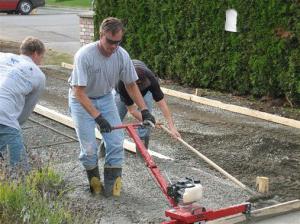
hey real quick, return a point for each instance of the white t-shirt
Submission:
(21, 84)
(100, 74)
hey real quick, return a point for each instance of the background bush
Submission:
(185, 40)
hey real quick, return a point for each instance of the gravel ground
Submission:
(141, 200)
(245, 147)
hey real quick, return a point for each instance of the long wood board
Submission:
(66, 120)
(261, 214)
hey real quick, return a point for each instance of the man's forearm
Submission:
(134, 112)
(136, 95)
(162, 104)
(166, 112)
(30, 102)
(85, 101)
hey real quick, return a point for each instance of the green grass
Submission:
(70, 3)
(56, 58)
(34, 199)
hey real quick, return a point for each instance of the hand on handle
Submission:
(104, 125)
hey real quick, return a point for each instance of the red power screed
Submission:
(180, 214)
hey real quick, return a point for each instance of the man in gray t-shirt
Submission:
(21, 84)
(98, 66)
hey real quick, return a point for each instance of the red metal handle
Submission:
(135, 125)
(147, 158)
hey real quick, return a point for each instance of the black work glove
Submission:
(103, 124)
(147, 116)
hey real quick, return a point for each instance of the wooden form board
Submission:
(234, 108)
(66, 120)
(66, 65)
(261, 214)
(224, 106)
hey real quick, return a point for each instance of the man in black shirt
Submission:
(149, 86)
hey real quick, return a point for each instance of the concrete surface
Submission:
(58, 28)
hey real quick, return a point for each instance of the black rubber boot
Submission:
(96, 186)
(112, 181)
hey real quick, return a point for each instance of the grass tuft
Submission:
(34, 199)
(70, 3)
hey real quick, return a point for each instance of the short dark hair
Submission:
(30, 45)
(111, 24)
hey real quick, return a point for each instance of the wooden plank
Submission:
(261, 214)
(278, 209)
(234, 108)
(66, 65)
(247, 111)
(177, 94)
(66, 120)
(54, 115)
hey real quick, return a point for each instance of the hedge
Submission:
(185, 40)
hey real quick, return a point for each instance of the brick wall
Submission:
(86, 27)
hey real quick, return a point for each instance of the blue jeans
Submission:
(12, 139)
(142, 131)
(85, 130)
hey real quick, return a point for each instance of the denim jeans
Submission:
(11, 139)
(142, 131)
(85, 130)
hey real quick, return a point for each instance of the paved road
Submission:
(58, 28)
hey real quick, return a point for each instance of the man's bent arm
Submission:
(135, 95)
(79, 92)
(30, 102)
(162, 104)
(134, 112)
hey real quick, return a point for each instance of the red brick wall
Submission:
(86, 28)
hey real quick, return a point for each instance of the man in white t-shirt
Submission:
(21, 84)
(98, 66)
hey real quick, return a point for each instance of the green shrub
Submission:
(186, 41)
(33, 200)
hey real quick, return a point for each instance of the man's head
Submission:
(143, 82)
(33, 48)
(111, 34)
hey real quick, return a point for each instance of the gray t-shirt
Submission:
(99, 74)
(21, 84)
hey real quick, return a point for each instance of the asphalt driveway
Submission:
(58, 28)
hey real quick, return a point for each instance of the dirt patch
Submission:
(256, 155)
(51, 57)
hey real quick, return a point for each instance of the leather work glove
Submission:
(147, 116)
(103, 124)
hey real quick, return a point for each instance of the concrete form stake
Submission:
(262, 184)
(237, 182)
